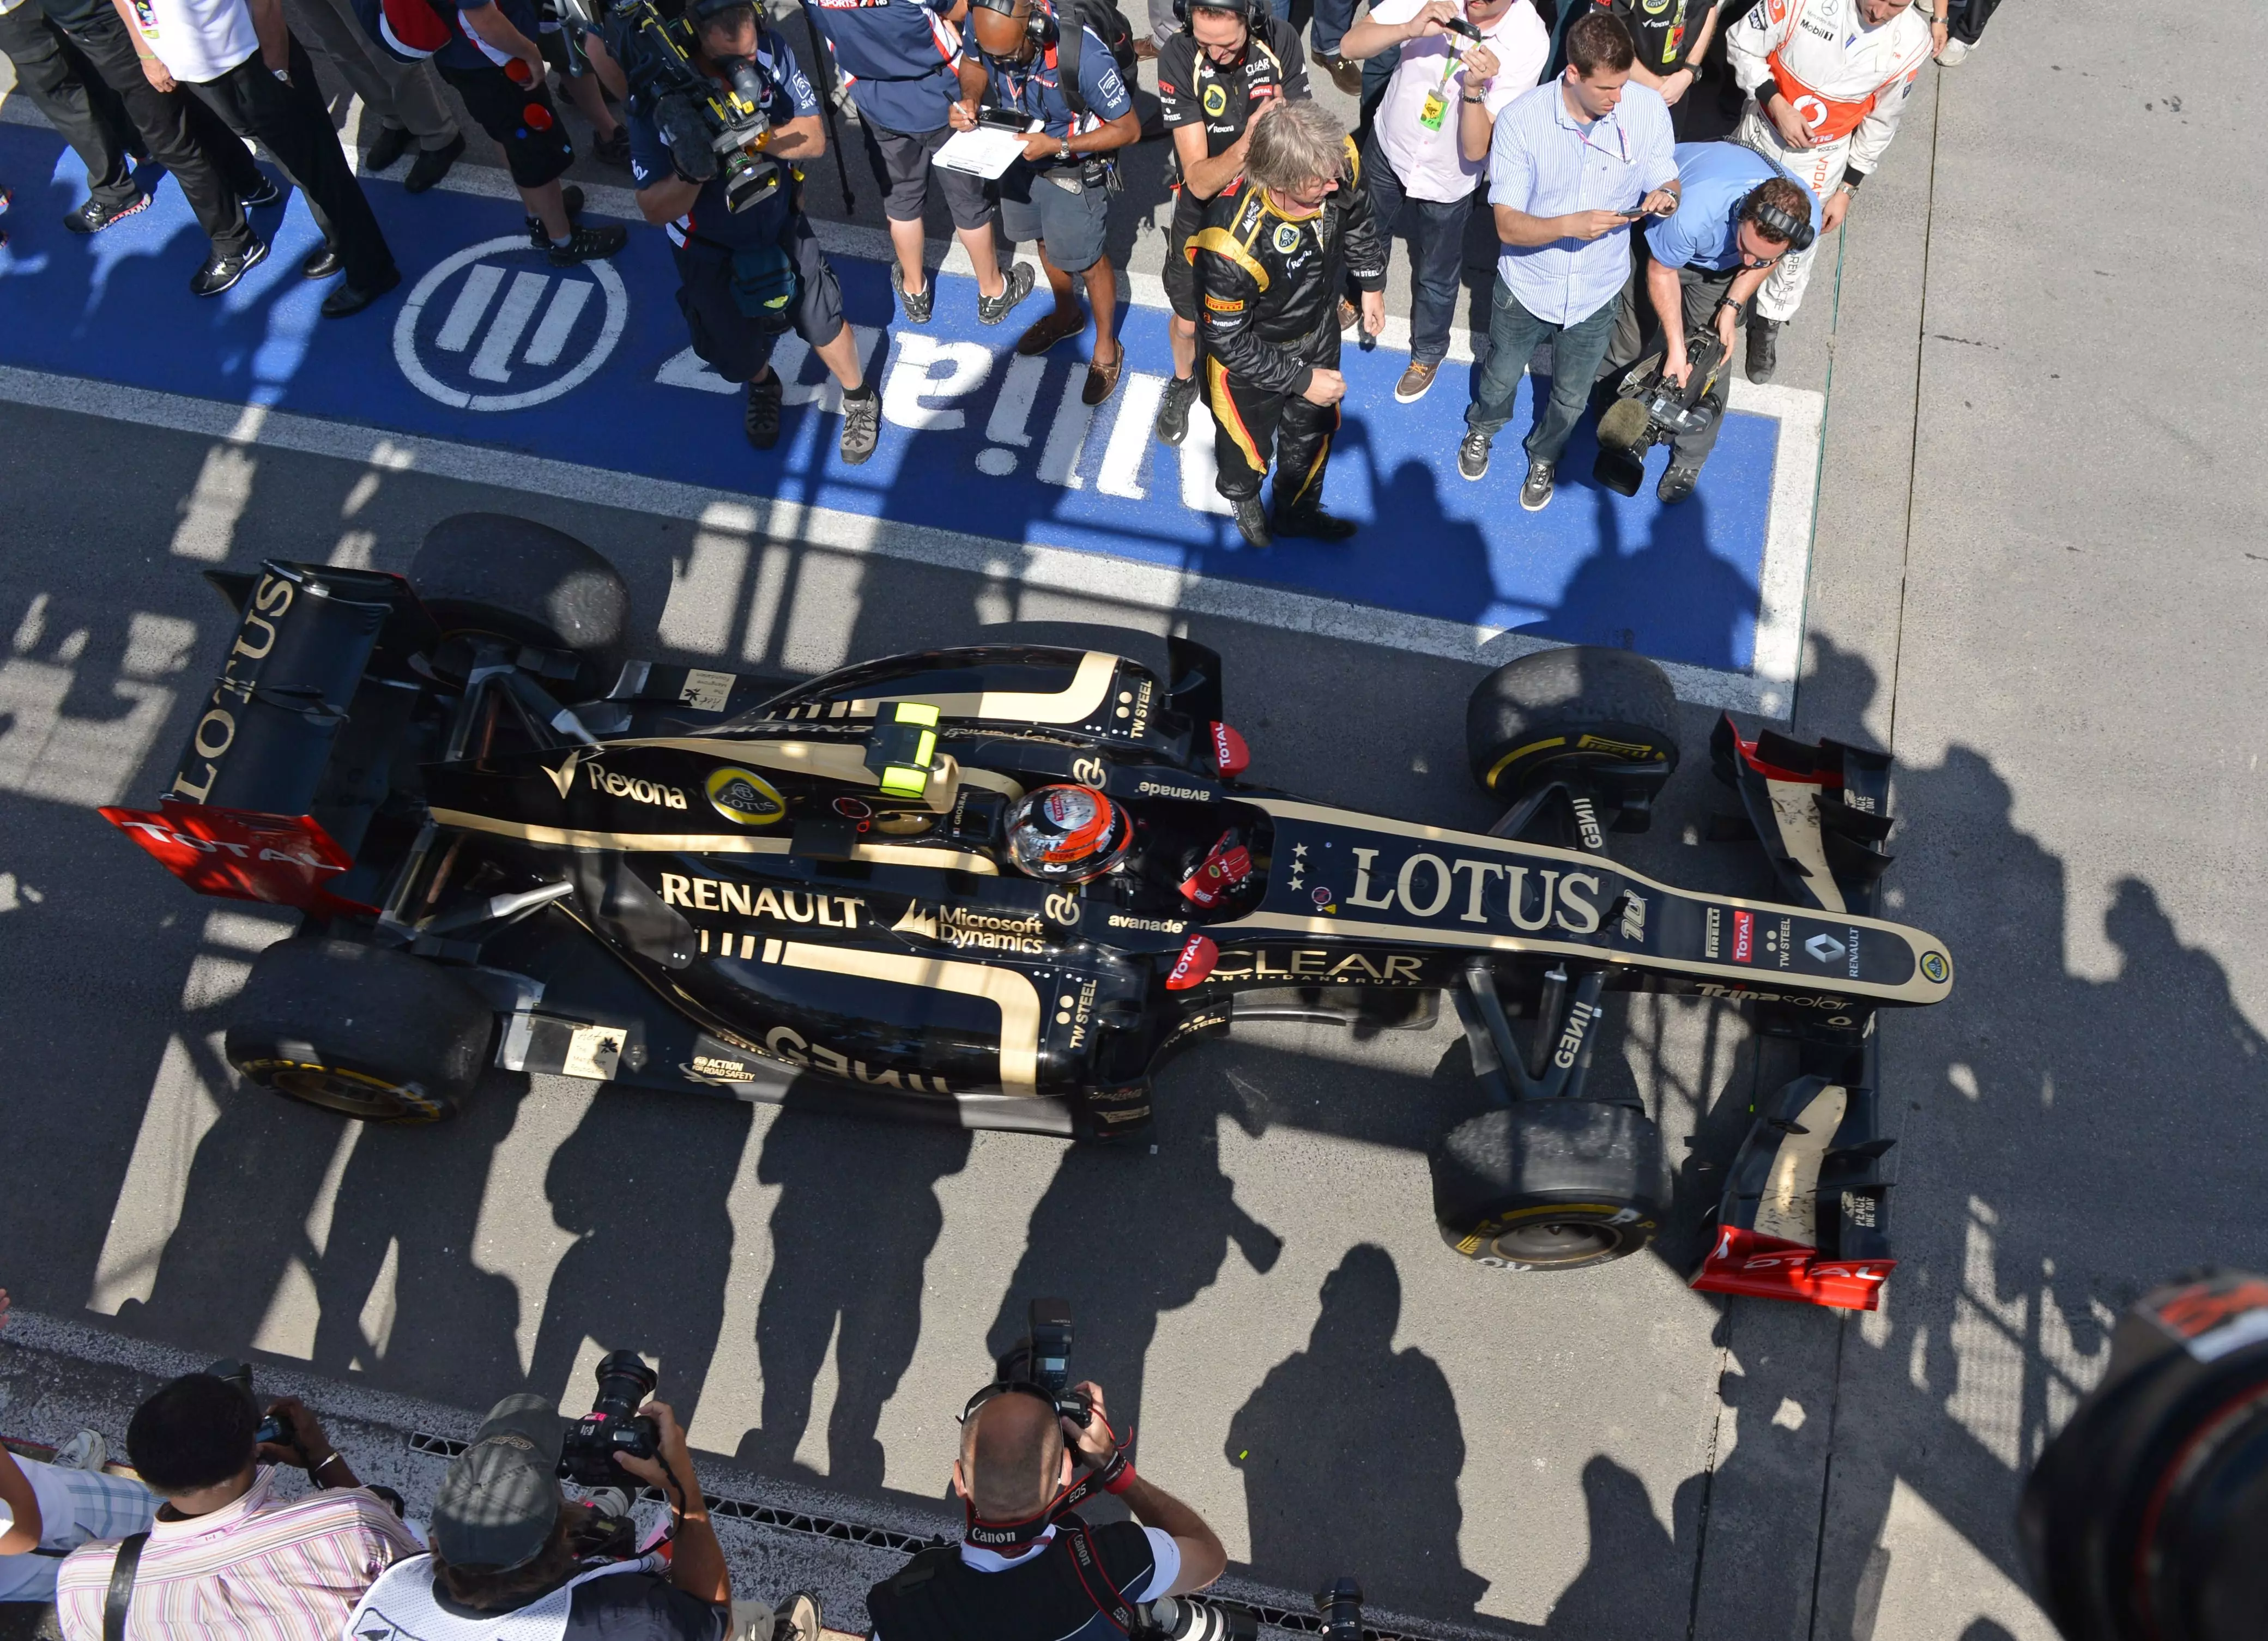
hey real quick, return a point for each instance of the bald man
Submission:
(1030, 1571)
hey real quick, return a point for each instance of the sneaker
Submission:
(917, 306)
(1252, 522)
(1415, 382)
(1764, 349)
(798, 1620)
(992, 310)
(612, 151)
(220, 272)
(589, 244)
(1535, 494)
(261, 197)
(1313, 524)
(1954, 51)
(432, 163)
(94, 217)
(539, 236)
(1173, 410)
(763, 420)
(1473, 456)
(862, 427)
(1677, 483)
(86, 1451)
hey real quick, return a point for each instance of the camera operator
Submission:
(224, 1557)
(1739, 216)
(1229, 60)
(1271, 258)
(511, 1555)
(748, 277)
(1029, 1569)
(1058, 193)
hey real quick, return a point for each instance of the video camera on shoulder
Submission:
(613, 1425)
(1042, 1360)
(693, 112)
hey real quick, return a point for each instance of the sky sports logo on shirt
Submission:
(1744, 936)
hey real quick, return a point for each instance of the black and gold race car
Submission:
(997, 884)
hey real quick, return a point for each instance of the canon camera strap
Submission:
(1088, 1566)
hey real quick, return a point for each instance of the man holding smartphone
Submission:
(1460, 67)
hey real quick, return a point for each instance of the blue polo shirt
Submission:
(1542, 162)
(899, 58)
(1714, 179)
(788, 96)
(1035, 89)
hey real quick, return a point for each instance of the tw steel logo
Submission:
(216, 731)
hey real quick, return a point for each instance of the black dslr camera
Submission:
(613, 1425)
(1041, 1358)
(1649, 410)
(711, 129)
(2145, 1518)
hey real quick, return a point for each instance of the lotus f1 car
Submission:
(997, 885)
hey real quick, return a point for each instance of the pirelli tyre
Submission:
(359, 1030)
(1584, 703)
(492, 575)
(1548, 1184)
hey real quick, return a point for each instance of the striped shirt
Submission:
(255, 1569)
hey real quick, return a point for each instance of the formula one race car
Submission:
(997, 884)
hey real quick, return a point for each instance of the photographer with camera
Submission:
(730, 196)
(511, 1556)
(1029, 1567)
(225, 1556)
(1057, 77)
(1739, 214)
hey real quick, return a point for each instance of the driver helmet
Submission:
(1068, 834)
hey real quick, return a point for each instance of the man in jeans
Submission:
(1429, 139)
(1574, 162)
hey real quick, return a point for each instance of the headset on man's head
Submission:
(1242, 8)
(1039, 22)
(1781, 224)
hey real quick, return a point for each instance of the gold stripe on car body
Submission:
(1088, 690)
(705, 843)
(1012, 992)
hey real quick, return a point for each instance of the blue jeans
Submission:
(1513, 334)
(1327, 26)
(1436, 252)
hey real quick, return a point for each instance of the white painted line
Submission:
(1139, 396)
(469, 309)
(493, 362)
(559, 318)
(1067, 436)
(1095, 576)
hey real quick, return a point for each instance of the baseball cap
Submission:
(500, 1497)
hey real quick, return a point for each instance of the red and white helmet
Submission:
(1068, 834)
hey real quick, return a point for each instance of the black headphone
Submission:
(1781, 224)
(1039, 23)
(1242, 8)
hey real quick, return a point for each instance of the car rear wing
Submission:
(288, 763)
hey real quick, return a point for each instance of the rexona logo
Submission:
(962, 929)
(1429, 889)
(638, 790)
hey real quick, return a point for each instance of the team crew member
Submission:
(1057, 194)
(1228, 63)
(1271, 258)
(217, 181)
(1668, 38)
(1030, 1569)
(1572, 165)
(401, 101)
(1738, 216)
(1826, 82)
(488, 54)
(1429, 141)
(237, 55)
(747, 276)
(901, 60)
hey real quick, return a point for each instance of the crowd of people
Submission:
(203, 1539)
(1615, 239)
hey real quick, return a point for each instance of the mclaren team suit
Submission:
(1848, 83)
(1267, 298)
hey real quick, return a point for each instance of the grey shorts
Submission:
(902, 171)
(1070, 221)
(737, 346)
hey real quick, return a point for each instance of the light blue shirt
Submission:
(1715, 178)
(1542, 162)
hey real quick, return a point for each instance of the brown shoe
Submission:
(1102, 379)
(1056, 326)
(1414, 382)
(1145, 49)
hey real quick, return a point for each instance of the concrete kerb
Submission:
(58, 1376)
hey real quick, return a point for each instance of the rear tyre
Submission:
(1548, 1185)
(492, 575)
(369, 1034)
(1584, 703)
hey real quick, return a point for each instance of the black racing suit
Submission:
(1267, 288)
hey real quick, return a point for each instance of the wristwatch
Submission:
(1063, 150)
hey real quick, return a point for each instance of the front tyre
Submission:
(369, 1034)
(493, 576)
(1548, 1185)
(1557, 710)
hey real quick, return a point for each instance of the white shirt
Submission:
(1845, 79)
(198, 40)
(1547, 162)
(1430, 163)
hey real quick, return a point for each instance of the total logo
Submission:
(495, 328)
